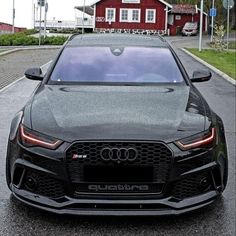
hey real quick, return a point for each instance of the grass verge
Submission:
(224, 61)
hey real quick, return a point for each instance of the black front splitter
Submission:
(152, 207)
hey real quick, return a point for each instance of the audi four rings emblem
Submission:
(119, 154)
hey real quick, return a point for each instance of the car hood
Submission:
(163, 113)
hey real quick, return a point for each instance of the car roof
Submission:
(116, 40)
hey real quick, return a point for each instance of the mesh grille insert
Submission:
(45, 185)
(156, 155)
(191, 186)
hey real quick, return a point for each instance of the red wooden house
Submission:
(143, 15)
(7, 28)
(131, 14)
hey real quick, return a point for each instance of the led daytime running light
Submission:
(198, 143)
(35, 141)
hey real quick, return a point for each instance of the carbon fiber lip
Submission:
(78, 207)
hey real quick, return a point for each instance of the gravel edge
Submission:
(29, 48)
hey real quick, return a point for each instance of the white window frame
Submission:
(154, 16)
(130, 15)
(139, 15)
(114, 15)
(121, 10)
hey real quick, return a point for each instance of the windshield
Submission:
(116, 65)
(190, 25)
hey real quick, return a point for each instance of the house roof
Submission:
(175, 8)
(96, 1)
(204, 13)
(166, 3)
(2, 23)
(184, 9)
(87, 9)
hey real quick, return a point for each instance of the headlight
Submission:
(201, 140)
(30, 138)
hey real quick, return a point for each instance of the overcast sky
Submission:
(60, 9)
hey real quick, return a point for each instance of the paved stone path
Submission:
(13, 65)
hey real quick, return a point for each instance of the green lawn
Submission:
(224, 61)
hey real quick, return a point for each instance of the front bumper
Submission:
(67, 205)
(180, 193)
(186, 33)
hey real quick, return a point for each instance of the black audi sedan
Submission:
(116, 127)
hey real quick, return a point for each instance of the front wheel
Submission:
(225, 175)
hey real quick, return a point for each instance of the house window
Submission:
(178, 17)
(129, 15)
(124, 15)
(136, 15)
(110, 14)
(150, 15)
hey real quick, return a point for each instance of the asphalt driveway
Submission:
(216, 219)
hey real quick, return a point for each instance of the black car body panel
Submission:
(69, 114)
(115, 149)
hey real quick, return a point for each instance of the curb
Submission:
(217, 71)
(10, 51)
(28, 48)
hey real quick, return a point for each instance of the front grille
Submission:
(191, 186)
(43, 185)
(156, 157)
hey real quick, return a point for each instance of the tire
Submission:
(225, 175)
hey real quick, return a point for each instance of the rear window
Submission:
(116, 65)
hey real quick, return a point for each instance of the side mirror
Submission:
(34, 74)
(201, 76)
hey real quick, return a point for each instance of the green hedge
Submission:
(31, 31)
(54, 40)
(23, 39)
